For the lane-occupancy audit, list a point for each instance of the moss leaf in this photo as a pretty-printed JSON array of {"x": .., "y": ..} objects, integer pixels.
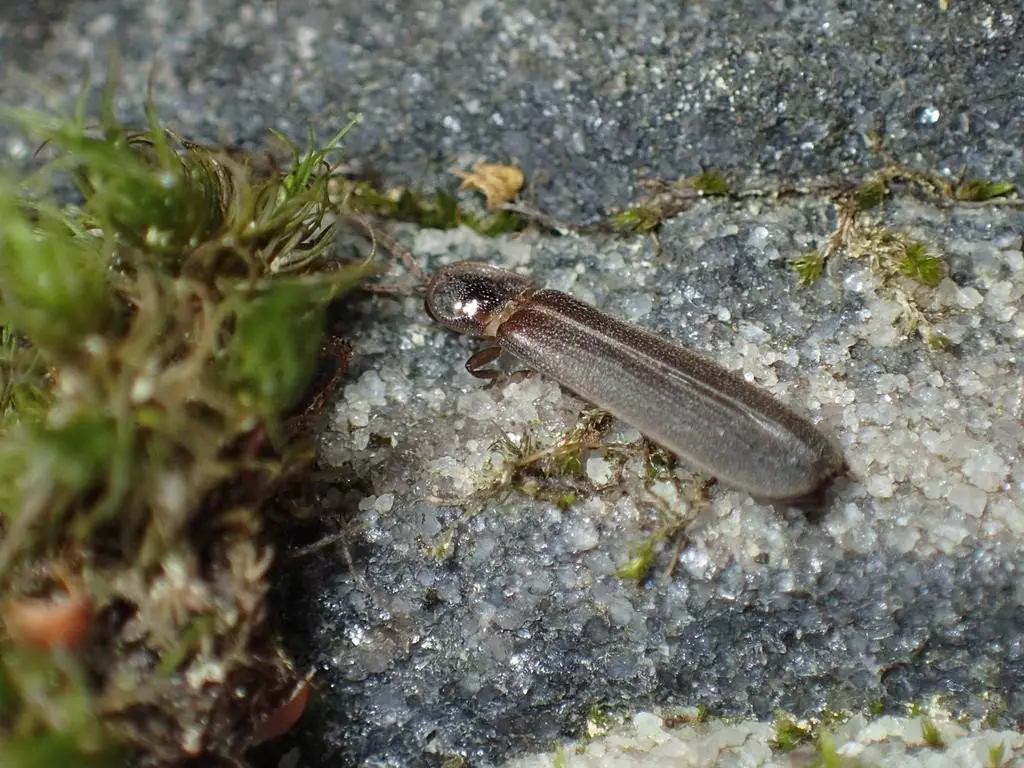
[
  {"x": 54, "y": 285},
  {"x": 979, "y": 190}
]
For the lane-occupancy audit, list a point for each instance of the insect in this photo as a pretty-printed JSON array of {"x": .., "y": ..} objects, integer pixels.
[{"x": 713, "y": 419}]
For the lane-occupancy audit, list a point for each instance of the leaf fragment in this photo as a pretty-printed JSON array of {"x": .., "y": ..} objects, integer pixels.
[{"x": 499, "y": 183}]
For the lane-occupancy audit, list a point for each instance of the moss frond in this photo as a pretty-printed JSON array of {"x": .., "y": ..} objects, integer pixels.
[
  {"x": 711, "y": 184},
  {"x": 440, "y": 211},
  {"x": 640, "y": 219},
  {"x": 980, "y": 190},
  {"x": 809, "y": 267}
]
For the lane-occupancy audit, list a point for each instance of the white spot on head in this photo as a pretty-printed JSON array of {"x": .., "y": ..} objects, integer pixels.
[{"x": 467, "y": 309}]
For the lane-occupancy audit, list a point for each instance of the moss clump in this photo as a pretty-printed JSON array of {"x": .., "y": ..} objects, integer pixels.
[
  {"x": 899, "y": 263},
  {"x": 931, "y": 734},
  {"x": 809, "y": 267},
  {"x": 790, "y": 733},
  {"x": 160, "y": 337},
  {"x": 640, "y": 562},
  {"x": 554, "y": 473},
  {"x": 870, "y": 194},
  {"x": 980, "y": 190},
  {"x": 711, "y": 184},
  {"x": 639, "y": 220},
  {"x": 438, "y": 211},
  {"x": 896, "y": 259}
]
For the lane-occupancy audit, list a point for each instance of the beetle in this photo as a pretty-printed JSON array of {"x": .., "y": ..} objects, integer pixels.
[{"x": 712, "y": 419}]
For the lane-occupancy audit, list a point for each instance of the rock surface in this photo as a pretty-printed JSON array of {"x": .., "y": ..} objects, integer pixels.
[{"x": 488, "y": 624}]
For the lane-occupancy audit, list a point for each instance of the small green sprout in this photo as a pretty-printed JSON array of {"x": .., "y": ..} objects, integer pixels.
[
  {"x": 997, "y": 755},
  {"x": 980, "y": 190},
  {"x": 711, "y": 184},
  {"x": 991, "y": 718},
  {"x": 444, "y": 546},
  {"x": 598, "y": 722},
  {"x": 497, "y": 223},
  {"x": 658, "y": 463},
  {"x": 639, "y": 220},
  {"x": 514, "y": 449},
  {"x": 638, "y": 566},
  {"x": 809, "y": 268},
  {"x": 566, "y": 500},
  {"x": 790, "y": 733},
  {"x": 826, "y": 755},
  {"x": 930, "y": 733},
  {"x": 870, "y": 194},
  {"x": 440, "y": 213},
  {"x": 566, "y": 461},
  {"x": 920, "y": 265}
]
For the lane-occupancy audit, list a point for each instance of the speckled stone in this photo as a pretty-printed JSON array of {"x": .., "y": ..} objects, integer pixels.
[
  {"x": 503, "y": 617},
  {"x": 489, "y": 624},
  {"x": 587, "y": 97}
]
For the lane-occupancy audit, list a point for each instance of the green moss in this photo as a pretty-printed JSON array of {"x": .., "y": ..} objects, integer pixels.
[
  {"x": 567, "y": 462},
  {"x": 639, "y": 220},
  {"x": 444, "y": 546},
  {"x": 809, "y": 267},
  {"x": 980, "y": 190},
  {"x": 992, "y": 717},
  {"x": 893, "y": 256},
  {"x": 438, "y": 211},
  {"x": 930, "y": 733},
  {"x": 553, "y": 473},
  {"x": 870, "y": 194},
  {"x": 658, "y": 463},
  {"x": 278, "y": 327},
  {"x": 566, "y": 500},
  {"x": 789, "y": 733},
  {"x": 54, "y": 285},
  {"x": 185, "y": 645},
  {"x": 826, "y": 755},
  {"x": 638, "y": 567},
  {"x": 599, "y": 723},
  {"x": 711, "y": 184},
  {"x": 159, "y": 341},
  {"x": 49, "y": 715},
  {"x": 919, "y": 264},
  {"x": 997, "y": 755}
]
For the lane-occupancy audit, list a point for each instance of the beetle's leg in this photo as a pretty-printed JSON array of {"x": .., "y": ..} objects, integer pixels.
[
  {"x": 521, "y": 374},
  {"x": 475, "y": 364}
]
